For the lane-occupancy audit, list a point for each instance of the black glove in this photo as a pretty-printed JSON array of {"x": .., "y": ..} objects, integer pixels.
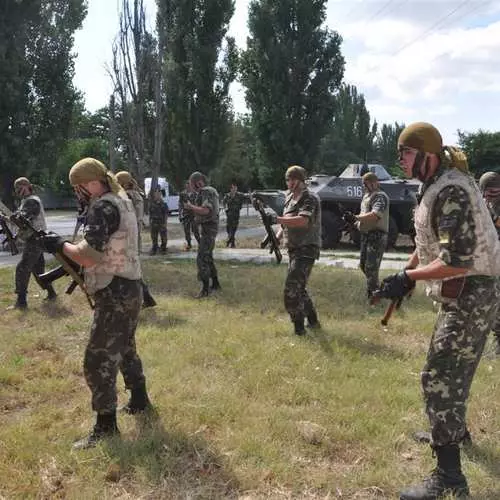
[
  {"x": 52, "y": 242},
  {"x": 269, "y": 218},
  {"x": 350, "y": 218},
  {"x": 396, "y": 286}
]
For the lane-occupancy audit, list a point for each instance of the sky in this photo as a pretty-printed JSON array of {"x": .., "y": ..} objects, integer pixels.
[{"x": 414, "y": 60}]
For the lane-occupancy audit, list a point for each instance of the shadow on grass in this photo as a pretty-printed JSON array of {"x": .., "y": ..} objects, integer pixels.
[
  {"x": 487, "y": 457},
  {"x": 54, "y": 309},
  {"x": 160, "y": 318},
  {"x": 176, "y": 465}
]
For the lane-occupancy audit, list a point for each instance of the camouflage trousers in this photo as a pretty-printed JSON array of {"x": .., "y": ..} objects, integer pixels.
[
  {"x": 298, "y": 303},
  {"x": 111, "y": 346},
  {"x": 456, "y": 347},
  {"x": 373, "y": 246},
  {"x": 205, "y": 256},
  {"x": 232, "y": 223},
  {"x": 32, "y": 261},
  {"x": 161, "y": 231},
  {"x": 189, "y": 226}
]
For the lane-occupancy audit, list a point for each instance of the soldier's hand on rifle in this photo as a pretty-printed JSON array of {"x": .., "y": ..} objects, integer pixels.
[
  {"x": 349, "y": 217},
  {"x": 396, "y": 286},
  {"x": 52, "y": 242},
  {"x": 269, "y": 218}
]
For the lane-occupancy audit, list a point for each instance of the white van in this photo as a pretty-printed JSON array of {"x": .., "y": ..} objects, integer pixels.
[{"x": 171, "y": 198}]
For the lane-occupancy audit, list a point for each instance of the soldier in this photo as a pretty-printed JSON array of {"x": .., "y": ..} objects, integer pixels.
[
  {"x": 206, "y": 214},
  {"x": 158, "y": 213},
  {"x": 110, "y": 257},
  {"x": 233, "y": 201},
  {"x": 301, "y": 229},
  {"x": 136, "y": 196},
  {"x": 186, "y": 217},
  {"x": 458, "y": 255},
  {"x": 32, "y": 260},
  {"x": 489, "y": 183},
  {"x": 373, "y": 224}
]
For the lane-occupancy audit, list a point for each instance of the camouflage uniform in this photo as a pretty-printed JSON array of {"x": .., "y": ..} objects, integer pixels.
[
  {"x": 158, "y": 213},
  {"x": 186, "y": 217},
  {"x": 209, "y": 225},
  {"x": 303, "y": 246},
  {"x": 32, "y": 260},
  {"x": 463, "y": 324},
  {"x": 494, "y": 209},
  {"x": 233, "y": 204},
  {"x": 138, "y": 203},
  {"x": 374, "y": 241},
  {"x": 111, "y": 346}
]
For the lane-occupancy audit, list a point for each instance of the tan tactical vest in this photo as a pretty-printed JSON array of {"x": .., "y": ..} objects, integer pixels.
[
  {"x": 121, "y": 257},
  {"x": 381, "y": 224},
  {"x": 487, "y": 252}
]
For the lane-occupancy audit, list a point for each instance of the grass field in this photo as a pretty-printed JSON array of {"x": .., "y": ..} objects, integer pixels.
[{"x": 243, "y": 408}]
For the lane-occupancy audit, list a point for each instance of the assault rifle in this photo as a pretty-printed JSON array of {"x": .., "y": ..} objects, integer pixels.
[
  {"x": 8, "y": 236},
  {"x": 67, "y": 266},
  {"x": 270, "y": 239}
]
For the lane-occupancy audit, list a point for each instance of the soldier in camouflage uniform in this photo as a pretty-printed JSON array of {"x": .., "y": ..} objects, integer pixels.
[
  {"x": 489, "y": 183},
  {"x": 136, "y": 196},
  {"x": 186, "y": 217},
  {"x": 301, "y": 230},
  {"x": 32, "y": 260},
  {"x": 206, "y": 214},
  {"x": 373, "y": 224},
  {"x": 110, "y": 257},
  {"x": 458, "y": 255},
  {"x": 233, "y": 201},
  {"x": 158, "y": 213}
]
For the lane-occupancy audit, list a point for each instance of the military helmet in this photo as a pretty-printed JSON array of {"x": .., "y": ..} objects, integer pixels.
[
  {"x": 422, "y": 136},
  {"x": 370, "y": 177},
  {"x": 489, "y": 180},
  {"x": 21, "y": 181},
  {"x": 87, "y": 170},
  {"x": 124, "y": 178},
  {"x": 296, "y": 172}
]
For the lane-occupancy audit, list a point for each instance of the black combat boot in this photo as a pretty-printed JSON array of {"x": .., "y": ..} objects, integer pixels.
[
  {"x": 163, "y": 249},
  {"x": 204, "y": 290},
  {"x": 20, "y": 303},
  {"x": 138, "y": 402},
  {"x": 426, "y": 437},
  {"x": 105, "y": 427},
  {"x": 445, "y": 479},
  {"x": 147, "y": 298},
  {"x": 153, "y": 251},
  {"x": 299, "y": 326},
  {"x": 51, "y": 293},
  {"x": 312, "y": 320},
  {"x": 215, "y": 283}
]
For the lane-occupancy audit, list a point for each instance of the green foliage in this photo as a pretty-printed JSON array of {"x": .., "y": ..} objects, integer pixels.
[
  {"x": 482, "y": 149},
  {"x": 386, "y": 143},
  {"x": 291, "y": 70},
  {"x": 36, "y": 89},
  {"x": 200, "y": 64}
]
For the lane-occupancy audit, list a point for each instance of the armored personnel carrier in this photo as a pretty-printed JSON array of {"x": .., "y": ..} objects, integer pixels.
[{"x": 342, "y": 193}]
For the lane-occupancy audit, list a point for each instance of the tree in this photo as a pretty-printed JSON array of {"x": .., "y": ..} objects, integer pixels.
[
  {"x": 200, "y": 62},
  {"x": 291, "y": 69},
  {"x": 482, "y": 149},
  {"x": 386, "y": 144},
  {"x": 36, "y": 90},
  {"x": 350, "y": 138}
]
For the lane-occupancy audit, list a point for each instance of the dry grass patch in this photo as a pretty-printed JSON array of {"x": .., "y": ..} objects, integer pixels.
[{"x": 244, "y": 409}]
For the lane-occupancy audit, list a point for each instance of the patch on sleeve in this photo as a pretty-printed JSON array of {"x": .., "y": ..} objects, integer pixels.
[{"x": 444, "y": 238}]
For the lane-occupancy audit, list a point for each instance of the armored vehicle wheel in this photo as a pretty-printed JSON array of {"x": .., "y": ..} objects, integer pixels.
[{"x": 331, "y": 229}]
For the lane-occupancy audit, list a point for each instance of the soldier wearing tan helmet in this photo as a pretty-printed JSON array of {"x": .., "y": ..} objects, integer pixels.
[
  {"x": 32, "y": 260},
  {"x": 136, "y": 196},
  {"x": 373, "y": 225},
  {"x": 301, "y": 232},
  {"x": 206, "y": 216},
  {"x": 112, "y": 270},
  {"x": 458, "y": 256}
]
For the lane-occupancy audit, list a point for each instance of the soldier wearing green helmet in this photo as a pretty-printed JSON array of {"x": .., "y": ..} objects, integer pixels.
[{"x": 458, "y": 256}]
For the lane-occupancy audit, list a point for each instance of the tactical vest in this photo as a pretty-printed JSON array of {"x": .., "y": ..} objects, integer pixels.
[
  {"x": 121, "y": 257},
  {"x": 296, "y": 237},
  {"x": 487, "y": 252},
  {"x": 381, "y": 224},
  {"x": 213, "y": 216}
]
